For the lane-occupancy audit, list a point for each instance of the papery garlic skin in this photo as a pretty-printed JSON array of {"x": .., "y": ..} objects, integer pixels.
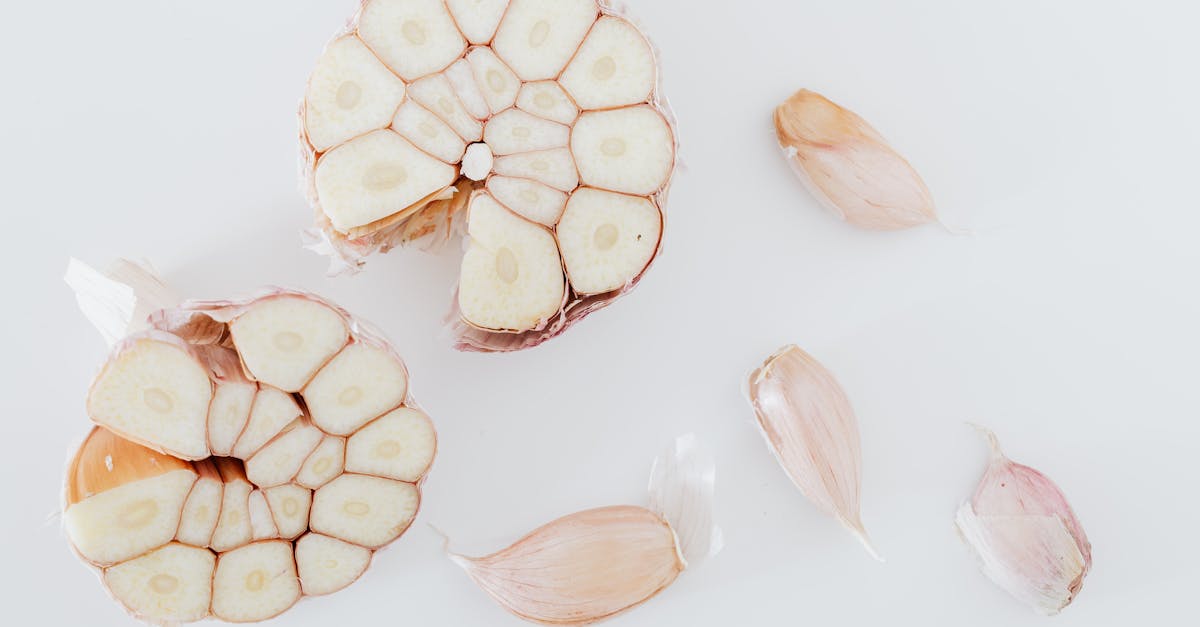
[
  {"x": 811, "y": 428},
  {"x": 848, "y": 165},
  {"x": 1025, "y": 534},
  {"x": 581, "y": 568}
]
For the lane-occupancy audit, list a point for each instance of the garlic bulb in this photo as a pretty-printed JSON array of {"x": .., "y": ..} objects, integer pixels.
[
  {"x": 226, "y": 432},
  {"x": 535, "y": 125},
  {"x": 1025, "y": 534},
  {"x": 591, "y": 565},
  {"x": 848, "y": 165},
  {"x": 809, "y": 425}
]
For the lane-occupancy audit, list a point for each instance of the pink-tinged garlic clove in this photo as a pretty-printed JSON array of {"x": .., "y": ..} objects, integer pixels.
[
  {"x": 234, "y": 527},
  {"x": 203, "y": 506},
  {"x": 255, "y": 582},
  {"x": 155, "y": 390},
  {"x": 399, "y": 445},
  {"x": 1025, "y": 534},
  {"x": 413, "y": 37},
  {"x": 511, "y": 276},
  {"x": 537, "y": 38},
  {"x": 272, "y": 411},
  {"x": 614, "y": 67},
  {"x": 123, "y": 499},
  {"x": 581, "y": 568},
  {"x": 285, "y": 339},
  {"x": 607, "y": 239},
  {"x": 628, "y": 150},
  {"x": 325, "y": 463},
  {"x": 359, "y": 384},
  {"x": 849, "y": 167},
  {"x": 172, "y": 584},
  {"x": 364, "y": 510},
  {"x": 350, "y": 93},
  {"x": 327, "y": 564},
  {"x": 811, "y": 428},
  {"x": 289, "y": 506}
]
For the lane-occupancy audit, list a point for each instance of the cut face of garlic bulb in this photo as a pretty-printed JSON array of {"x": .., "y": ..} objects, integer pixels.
[
  {"x": 810, "y": 426},
  {"x": 431, "y": 114},
  {"x": 1025, "y": 534},
  {"x": 848, "y": 165},
  {"x": 337, "y": 461},
  {"x": 594, "y": 564}
]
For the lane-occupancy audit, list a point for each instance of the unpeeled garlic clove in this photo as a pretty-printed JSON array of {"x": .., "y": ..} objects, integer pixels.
[
  {"x": 581, "y": 568},
  {"x": 848, "y": 165},
  {"x": 1025, "y": 534},
  {"x": 809, "y": 425}
]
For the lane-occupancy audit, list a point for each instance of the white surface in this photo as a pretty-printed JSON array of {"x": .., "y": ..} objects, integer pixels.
[{"x": 1065, "y": 133}]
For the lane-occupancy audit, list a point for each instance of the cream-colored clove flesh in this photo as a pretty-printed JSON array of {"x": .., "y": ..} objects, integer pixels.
[
  {"x": 523, "y": 110},
  {"x": 246, "y": 454}
]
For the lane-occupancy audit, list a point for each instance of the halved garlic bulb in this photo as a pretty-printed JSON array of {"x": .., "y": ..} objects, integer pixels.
[
  {"x": 536, "y": 124},
  {"x": 215, "y": 449}
]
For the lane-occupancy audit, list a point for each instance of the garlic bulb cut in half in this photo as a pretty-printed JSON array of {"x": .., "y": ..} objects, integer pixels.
[
  {"x": 244, "y": 454},
  {"x": 534, "y": 128}
]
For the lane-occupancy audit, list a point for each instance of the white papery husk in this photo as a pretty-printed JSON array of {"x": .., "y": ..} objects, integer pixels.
[
  {"x": 443, "y": 219},
  {"x": 592, "y": 565},
  {"x": 132, "y": 299}
]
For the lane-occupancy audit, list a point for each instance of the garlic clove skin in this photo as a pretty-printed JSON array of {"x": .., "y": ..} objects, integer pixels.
[
  {"x": 810, "y": 426},
  {"x": 581, "y": 568},
  {"x": 1025, "y": 534},
  {"x": 849, "y": 167}
]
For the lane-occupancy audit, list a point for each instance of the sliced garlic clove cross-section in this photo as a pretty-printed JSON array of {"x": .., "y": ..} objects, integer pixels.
[
  {"x": 529, "y": 199},
  {"x": 546, "y": 99},
  {"x": 607, "y": 239},
  {"x": 477, "y": 19},
  {"x": 462, "y": 79},
  {"x": 233, "y": 525},
  {"x": 202, "y": 508},
  {"x": 496, "y": 81},
  {"x": 289, "y": 508},
  {"x": 172, "y": 584},
  {"x": 278, "y": 461},
  {"x": 327, "y": 564},
  {"x": 350, "y": 93},
  {"x": 413, "y": 37},
  {"x": 628, "y": 150},
  {"x": 272, "y": 411},
  {"x": 374, "y": 176},
  {"x": 361, "y": 383},
  {"x": 364, "y": 510},
  {"x": 555, "y": 168},
  {"x": 154, "y": 390},
  {"x": 536, "y": 38},
  {"x": 614, "y": 67},
  {"x": 284, "y": 340},
  {"x": 255, "y": 582},
  {"x": 436, "y": 94},
  {"x": 428, "y": 132},
  {"x": 511, "y": 273},
  {"x": 516, "y": 131},
  {"x": 323, "y": 464},
  {"x": 399, "y": 445},
  {"x": 262, "y": 525}
]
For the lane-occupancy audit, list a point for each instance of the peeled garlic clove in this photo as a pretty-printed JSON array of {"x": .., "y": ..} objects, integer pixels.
[
  {"x": 581, "y": 568},
  {"x": 123, "y": 499},
  {"x": 809, "y": 425},
  {"x": 849, "y": 167},
  {"x": 1025, "y": 534}
]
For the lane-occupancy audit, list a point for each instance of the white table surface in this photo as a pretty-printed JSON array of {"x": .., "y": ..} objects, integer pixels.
[{"x": 1064, "y": 133}]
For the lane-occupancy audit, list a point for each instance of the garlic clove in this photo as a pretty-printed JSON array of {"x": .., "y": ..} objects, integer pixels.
[
  {"x": 350, "y": 93},
  {"x": 364, "y": 510},
  {"x": 613, "y": 68},
  {"x": 399, "y": 445},
  {"x": 515, "y": 131},
  {"x": 529, "y": 199},
  {"x": 327, "y": 564},
  {"x": 255, "y": 582},
  {"x": 325, "y": 463},
  {"x": 361, "y": 383},
  {"x": 413, "y": 37},
  {"x": 849, "y": 167},
  {"x": 277, "y": 462},
  {"x": 810, "y": 426},
  {"x": 262, "y": 525},
  {"x": 155, "y": 390},
  {"x": 607, "y": 239},
  {"x": 581, "y": 568},
  {"x": 232, "y": 401},
  {"x": 537, "y": 38},
  {"x": 283, "y": 340},
  {"x": 272, "y": 411},
  {"x": 289, "y": 504},
  {"x": 428, "y": 132},
  {"x": 461, "y": 77},
  {"x": 123, "y": 499},
  {"x": 496, "y": 81},
  {"x": 546, "y": 99},
  {"x": 169, "y": 585},
  {"x": 477, "y": 19},
  {"x": 1025, "y": 534},
  {"x": 234, "y": 528},
  {"x": 555, "y": 168},
  {"x": 629, "y": 150},
  {"x": 203, "y": 506},
  {"x": 438, "y": 95}
]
